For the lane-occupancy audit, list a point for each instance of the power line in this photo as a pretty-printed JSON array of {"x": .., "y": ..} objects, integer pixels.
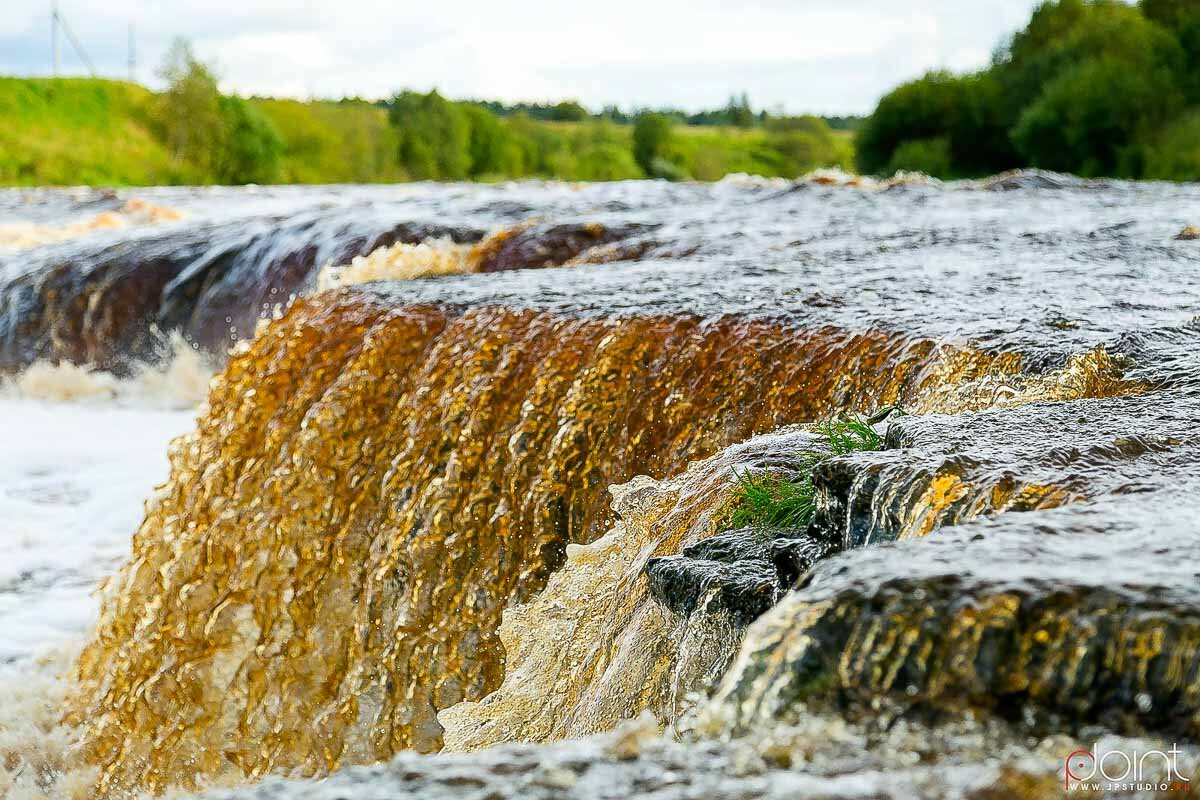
[
  {"x": 54, "y": 36},
  {"x": 57, "y": 20}
]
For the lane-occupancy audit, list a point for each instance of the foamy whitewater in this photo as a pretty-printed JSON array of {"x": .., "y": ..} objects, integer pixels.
[{"x": 83, "y": 452}]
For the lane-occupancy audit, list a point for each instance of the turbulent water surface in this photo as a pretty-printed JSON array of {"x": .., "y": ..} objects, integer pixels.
[{"x": 462, "y": 483}]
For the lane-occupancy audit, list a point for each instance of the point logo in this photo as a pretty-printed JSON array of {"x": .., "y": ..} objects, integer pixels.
[{"x": 1118, "y": 770}]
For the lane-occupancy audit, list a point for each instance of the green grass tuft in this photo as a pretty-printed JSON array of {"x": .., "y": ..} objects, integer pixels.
[
  {"x": 771, "y": 501},
  {"x": 778, "y": 501}
]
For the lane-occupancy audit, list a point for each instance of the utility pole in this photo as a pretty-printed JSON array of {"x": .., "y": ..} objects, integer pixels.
[
  {"x": 54, "y": 35},
  {"x": 58, "y": 21}
]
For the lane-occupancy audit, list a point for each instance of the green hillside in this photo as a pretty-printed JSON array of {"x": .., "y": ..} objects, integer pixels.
[
  {"x": 66, "y": 131},
  {"x": 82, "y": 131}
]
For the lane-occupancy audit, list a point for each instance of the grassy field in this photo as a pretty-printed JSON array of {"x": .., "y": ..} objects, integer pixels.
[{"x": 69, "y": 131}]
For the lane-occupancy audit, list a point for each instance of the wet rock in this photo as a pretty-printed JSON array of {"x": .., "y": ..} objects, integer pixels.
[
  {"x": 1028, "y": 179},
  {"x": 793, "y": 556},
  {"x": 741, "y": 573},
  {"x": 1189, "y": 234},
  {"x": 934, "y": 472},
  {"x": 540, "y": 246},
  {"x": 109, "y": 307},
  {"x": 939, "y": 470},
  {"x": 825, "y": 758},
  {"x": 730, "y": 572},
  {"x": 1083, "y": 614}
]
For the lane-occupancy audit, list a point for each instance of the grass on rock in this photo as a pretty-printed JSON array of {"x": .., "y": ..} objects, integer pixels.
[{"x": 787, "y": 501}]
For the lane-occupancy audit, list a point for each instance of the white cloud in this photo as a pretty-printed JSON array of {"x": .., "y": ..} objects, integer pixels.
[{"x": 823, "y": 55}]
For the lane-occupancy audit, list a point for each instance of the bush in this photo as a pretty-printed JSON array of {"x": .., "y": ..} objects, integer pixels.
[
  {"x": 1078, "y": 89},
  {"x": 651, "y": 138},
  {"x": 667, "y": 170},
  {"x": 1090, "y": 118},
  {"x": 930, "y": 156},
  {"x": 434, "y": 136},
  {"x": 568, "y": 111},
  {"x": 490, "y": 145},
  {"x": 1175, "y": 154},
  {"x": 250, "y": 146},
  {"x": 189, "y": 110},
  {"x": 804, "y": 144},
  {"x": 348, "y": 141},
  {"x": 1181, "y": 18}
]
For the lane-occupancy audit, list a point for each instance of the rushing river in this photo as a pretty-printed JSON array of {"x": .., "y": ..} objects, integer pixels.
[{"x": 463, "y": 477}]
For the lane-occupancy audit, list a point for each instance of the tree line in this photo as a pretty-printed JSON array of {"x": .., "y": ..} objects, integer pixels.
[
  {"x": 430, "y": 137},
  {"x": 1092, "y": 87}
]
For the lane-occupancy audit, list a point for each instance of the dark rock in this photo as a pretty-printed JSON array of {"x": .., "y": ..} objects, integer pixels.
[
  {"x": 540, "y": 246},
  {"x": 109, "y": 306},
  {"x": 1041, "y": 618},
  {"x": 1029, "y": 179},
  {"x": 793, "y": 556},
  {"x": 741, "y": 573}
]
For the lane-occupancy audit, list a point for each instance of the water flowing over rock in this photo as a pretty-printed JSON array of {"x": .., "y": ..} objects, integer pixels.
[
  {"x": 1082, "y": 610},
  {"x": 391, "y": 529},
  {"x": 290, "y": 604}
]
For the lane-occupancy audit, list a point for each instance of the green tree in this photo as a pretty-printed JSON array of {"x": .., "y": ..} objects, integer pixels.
[
  {"x": 930, "y": 156},
  {"x": 492, "y": 151},
  {"x": 541, "y": 149},
  {"x": 803, "y": 144},
  {"x": 1175, "y": 154},
  {"x": 602, "y": 154},
  {"x": 1181, "y": 18},
  {"x": 651, "y": 137},
  {"x": 434, "y": 136},
  {"x": 568, "y": 111},
  {"x": 188, "y": 111},
  {"x": 1082, "y": 88},
  {"x": 1108, "y": 81},
  {"x": 936, "y": 106},
  {"x": 250, "y": 147},
  {"x": 739, "y": 111},
  {"x": 1089, "y": 119}
]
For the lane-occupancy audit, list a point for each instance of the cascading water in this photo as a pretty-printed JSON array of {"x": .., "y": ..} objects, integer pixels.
[{"x": 385, "y": 469}]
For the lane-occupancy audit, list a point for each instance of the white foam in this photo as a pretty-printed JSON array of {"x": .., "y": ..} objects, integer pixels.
[
  {"x": 398, "y": 262},
  {"x": 180, "y": 381},
  {"x": 72, "y": 482},
  {"x": 80, "y": 452}
]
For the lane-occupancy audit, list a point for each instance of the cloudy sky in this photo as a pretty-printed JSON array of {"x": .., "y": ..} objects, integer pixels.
[{"x": 824, "y": 56}]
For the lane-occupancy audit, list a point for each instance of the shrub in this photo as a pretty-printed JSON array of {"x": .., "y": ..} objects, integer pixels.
[
  {"x": 490, "y": 145},
  {"x": 434, "y": 136},
  {"x": 804, "y": 144},
  {"x": 1089, "y": 119},
  {"x": 1175, "y": 154},
  {"x": 651, "y": 138},
  {"x": 348, "y": 141},
  {"x": 250, "y": 146},
  {"x": 930, "y": 156},
  {"x": 189, "y": 110},
  {"x": 1076, "y": 90},
  {"x": 921, "y": 109},
  {"x": 1181, "y": 18}
]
